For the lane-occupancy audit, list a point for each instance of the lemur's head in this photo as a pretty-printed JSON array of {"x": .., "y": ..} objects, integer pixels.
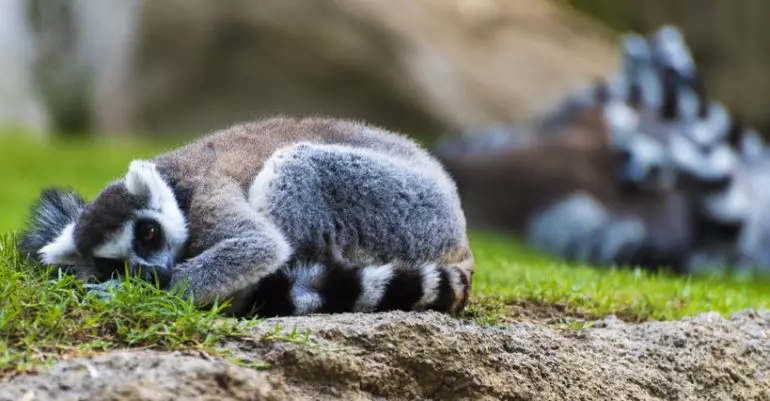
[
  {"x": 641, "y": 157},
  {"x": 135, "y": 219},
  {"x": 706, "y": 149},
  {"x": 669, "y": 49}
]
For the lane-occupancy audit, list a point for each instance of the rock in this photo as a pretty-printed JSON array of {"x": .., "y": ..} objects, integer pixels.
[
  {"x": 418, "y": 66},
  {"x": 420, "y": 356},
  {"x": 144, "y": 375}
]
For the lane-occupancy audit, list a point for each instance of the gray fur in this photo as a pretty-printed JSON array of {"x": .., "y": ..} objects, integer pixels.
[{"x": 362, "y": 197}]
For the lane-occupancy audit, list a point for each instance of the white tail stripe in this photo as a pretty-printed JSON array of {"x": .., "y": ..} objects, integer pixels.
[
  {"x": 304, "y": 295},
  {"x": 374, "y": 281},
  {"x": 430, "y": 284}
]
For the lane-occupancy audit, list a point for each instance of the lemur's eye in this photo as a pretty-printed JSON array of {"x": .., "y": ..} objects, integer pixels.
[{"x": 148, "y": 234}]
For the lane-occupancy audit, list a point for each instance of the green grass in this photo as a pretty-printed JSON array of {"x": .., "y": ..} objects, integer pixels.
[
  {"x": 510, "y": 273},
  {"x": 45, "y": 315},
  {"x": 42, "y": 318},
  {"x": 27, "y": 164}
]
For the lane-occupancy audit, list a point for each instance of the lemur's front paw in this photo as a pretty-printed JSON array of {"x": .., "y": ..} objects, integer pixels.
[{"x": 102, "y": 291}]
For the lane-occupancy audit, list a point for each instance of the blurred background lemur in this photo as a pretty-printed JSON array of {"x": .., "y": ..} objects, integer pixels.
[
  {"x": 639, "y": 169},
  {"x": 281, "y": 216}
]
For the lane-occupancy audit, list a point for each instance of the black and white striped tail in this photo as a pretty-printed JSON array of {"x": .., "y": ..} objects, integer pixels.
[{"x": 329, "y": 288}]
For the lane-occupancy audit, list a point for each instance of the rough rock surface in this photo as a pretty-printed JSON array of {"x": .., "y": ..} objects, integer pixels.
[{"x": 413, "y": 356}]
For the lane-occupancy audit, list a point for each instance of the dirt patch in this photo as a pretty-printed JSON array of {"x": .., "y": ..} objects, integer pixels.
[{"x": 416, "y": 356}]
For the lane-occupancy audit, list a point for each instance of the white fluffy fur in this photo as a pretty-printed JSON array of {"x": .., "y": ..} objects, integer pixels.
[
  {"x": 430, "y": 282},
  {"x": 456, "y": 283},
  {"x": 554, "y": 228},
  {"x": 728, "y": 206},
  {"x": 303, "y": 293},
  {"x": 374, "y": 280},
  {"x": 61, "y": 250},
  {"x": 620, "y": 119},
  {"x": 646, "y": 152},
  {"x": 260, "y": 188},
  {"x": 119, "y": 246},
  {"x": 719, "y": 163}
]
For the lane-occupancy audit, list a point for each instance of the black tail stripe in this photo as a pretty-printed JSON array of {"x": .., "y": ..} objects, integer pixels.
[
  {"x": 271, "y": 297},
  {"x": 465, "y": 281},
  {"x": 340, "y": 290},
  {"x": 402, "y": 292}
]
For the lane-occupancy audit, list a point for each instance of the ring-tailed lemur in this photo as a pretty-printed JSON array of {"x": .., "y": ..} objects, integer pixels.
[
  {"x": 609, "y": 200},
  {"x": 241, "y": 214},
  {"x": 556, "y": 193},
  {"x": 663, "y": 69},
  {"x": 725, "y": 175},
  {"x": 721, "y": 170}
]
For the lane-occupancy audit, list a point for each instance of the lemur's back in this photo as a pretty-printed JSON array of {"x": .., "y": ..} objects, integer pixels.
[{"x": 239, "y": 151}]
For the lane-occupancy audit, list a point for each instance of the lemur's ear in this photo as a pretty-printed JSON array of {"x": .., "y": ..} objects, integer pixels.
[
  {"x": 48, "y": 236},
  {"x": 144, "y": 181},
  {"x": 140, "y": 177}
]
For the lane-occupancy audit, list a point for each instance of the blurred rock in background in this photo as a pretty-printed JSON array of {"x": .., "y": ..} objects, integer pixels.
[
  {"x": 419, "y": 66},
  {"x": 427, "y": 66}
]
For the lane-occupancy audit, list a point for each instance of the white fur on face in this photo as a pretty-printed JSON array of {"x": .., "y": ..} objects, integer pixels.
[
  {"x": 62, "y": 250},
  {"x": 143, "y": 180},
  {"x": 119, "y": 245}
]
